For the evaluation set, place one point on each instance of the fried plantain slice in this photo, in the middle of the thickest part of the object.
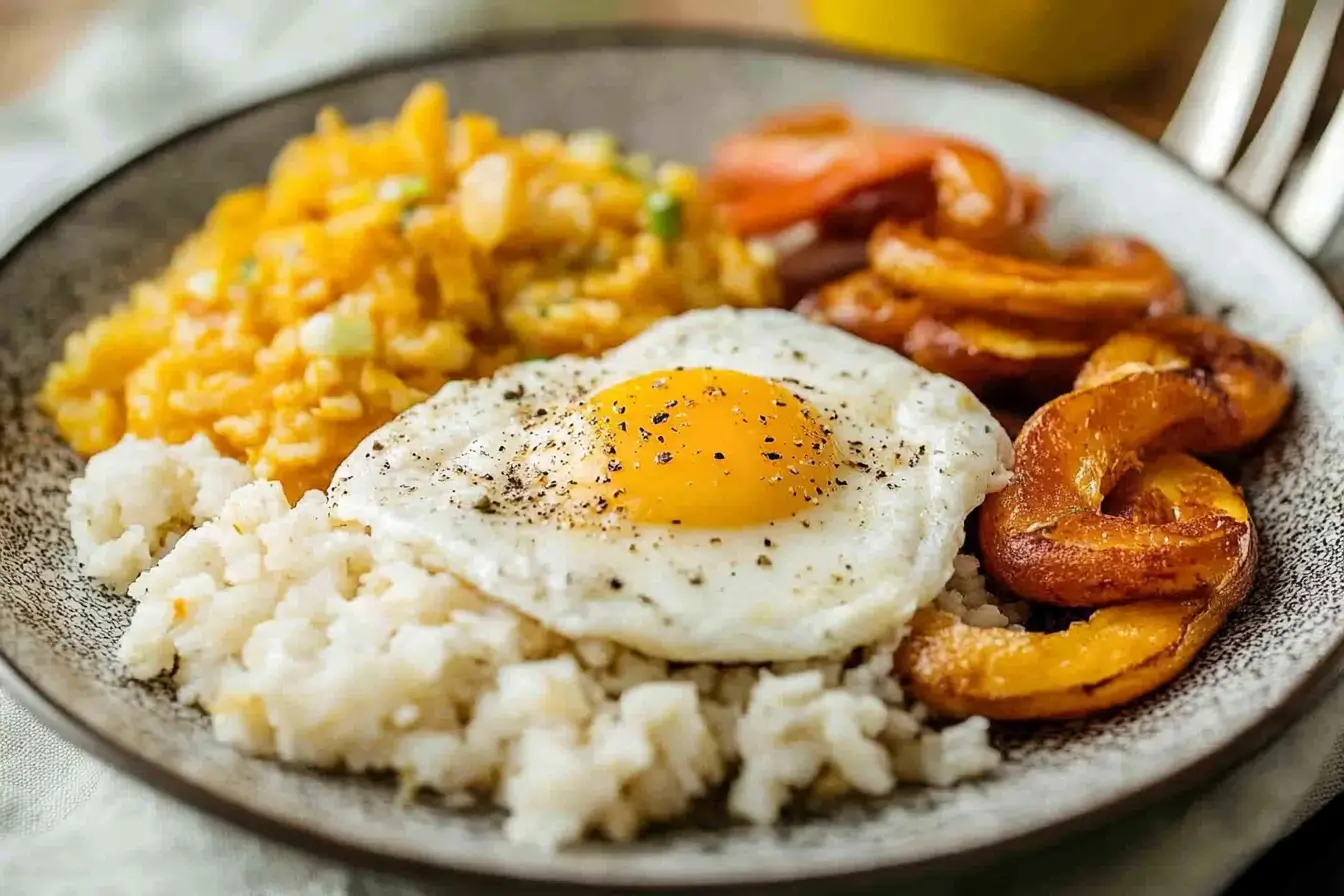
(1120, 653)
(1128, 254)
(1048, 537)
(863, 304)
(1253, 377)
(987, 355)
(976, 199)
(949, 272)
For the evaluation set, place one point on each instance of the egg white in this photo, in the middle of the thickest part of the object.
(919, 452)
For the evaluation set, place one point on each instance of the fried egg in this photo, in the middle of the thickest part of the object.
(728, 486)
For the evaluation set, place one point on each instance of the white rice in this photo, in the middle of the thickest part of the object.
(136, 500)
(967, 598)
(307, 640)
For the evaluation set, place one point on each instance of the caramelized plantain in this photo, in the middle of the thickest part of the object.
(1254, 378)
(990, 356)
(975, 197)
(1047, 536)
(952, 273)
(1118, 654)
(866, 306)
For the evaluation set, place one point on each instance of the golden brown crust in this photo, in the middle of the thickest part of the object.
(949, 272)
(1119, 654)
(863, 304)
(1046, 537)
(1254, 378)
(985, 354)
(976, 200)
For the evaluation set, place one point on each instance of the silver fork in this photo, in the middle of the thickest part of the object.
(1209, 123)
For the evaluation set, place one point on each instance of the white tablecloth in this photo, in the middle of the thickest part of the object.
(68, 824)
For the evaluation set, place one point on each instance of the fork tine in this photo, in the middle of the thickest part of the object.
(1313, 198)
(1212, 116)
(1258, 175)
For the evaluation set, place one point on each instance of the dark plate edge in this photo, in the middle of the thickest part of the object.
(1306, 694)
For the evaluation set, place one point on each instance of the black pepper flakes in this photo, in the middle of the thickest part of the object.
(718, 455)
(484, 504)
(660, 417)
(663, 457)
(762, 560)
(614, 466)
(772, 455)
(514, 393)
(616, 584)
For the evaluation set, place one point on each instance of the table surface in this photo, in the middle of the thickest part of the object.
(1308, 861)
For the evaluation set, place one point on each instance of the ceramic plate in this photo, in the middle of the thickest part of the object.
(674, 94)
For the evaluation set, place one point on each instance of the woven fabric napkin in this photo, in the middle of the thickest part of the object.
(69, 824)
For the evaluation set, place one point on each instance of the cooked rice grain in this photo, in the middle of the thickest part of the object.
(307, 640)
(425, 249)
(134, 501)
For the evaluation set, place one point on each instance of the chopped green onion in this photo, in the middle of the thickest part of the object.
(337, 336)
(664, 211)
(403, 189)
(248, 274)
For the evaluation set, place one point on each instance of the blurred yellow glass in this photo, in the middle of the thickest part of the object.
(1053, 43)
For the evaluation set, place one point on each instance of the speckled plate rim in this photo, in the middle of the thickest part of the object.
(1307, 693)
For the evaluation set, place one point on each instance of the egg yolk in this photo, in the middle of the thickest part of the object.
(706, 448)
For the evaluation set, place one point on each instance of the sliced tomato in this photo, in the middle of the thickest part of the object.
(796, 165)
